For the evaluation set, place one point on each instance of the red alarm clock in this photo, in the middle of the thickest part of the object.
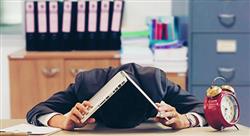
(221, 106)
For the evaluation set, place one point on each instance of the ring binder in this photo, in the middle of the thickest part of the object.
(81, 27)
(73, 25)
(66, 25)
(53, 26)
(30, 25)
(42, 25)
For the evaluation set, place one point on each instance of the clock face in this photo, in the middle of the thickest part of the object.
(229, 108)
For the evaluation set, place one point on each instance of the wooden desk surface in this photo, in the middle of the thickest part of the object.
(145, 129)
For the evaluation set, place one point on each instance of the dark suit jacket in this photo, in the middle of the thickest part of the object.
(127, 108)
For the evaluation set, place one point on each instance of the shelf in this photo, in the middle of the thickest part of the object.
(65, 55)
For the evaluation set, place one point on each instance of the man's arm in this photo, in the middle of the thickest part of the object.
(61, 102)
(70, 104)
(183, 103)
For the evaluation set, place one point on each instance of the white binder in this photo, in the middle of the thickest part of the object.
(53, 16)
(42, 21)
(66, 24)
(92, 16)
(117, 13)
(81, 8)
(104, 15)
(29, 16)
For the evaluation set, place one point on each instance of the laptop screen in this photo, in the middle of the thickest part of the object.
(126, 109)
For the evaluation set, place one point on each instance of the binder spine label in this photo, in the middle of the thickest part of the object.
(53, 17)
(42, 25)
(30, 19)
(67, 16)
(92, 15)
(81, 16)
(104, 15)
(117, 13)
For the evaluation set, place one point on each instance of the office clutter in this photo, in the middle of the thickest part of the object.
(73, 25)
(135, 47)
(169, 53)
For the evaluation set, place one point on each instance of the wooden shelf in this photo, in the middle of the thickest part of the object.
(65, 55)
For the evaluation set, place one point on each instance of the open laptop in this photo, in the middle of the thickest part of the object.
(109, 89)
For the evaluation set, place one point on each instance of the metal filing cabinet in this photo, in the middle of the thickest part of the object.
(219, 45)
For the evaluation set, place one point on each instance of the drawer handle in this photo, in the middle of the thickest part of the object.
(75, 71)
(50, 72)
(227, 73)
(227, 20)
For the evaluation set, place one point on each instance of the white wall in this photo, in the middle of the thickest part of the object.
(135, 14)
(9, 44)
(136, 11)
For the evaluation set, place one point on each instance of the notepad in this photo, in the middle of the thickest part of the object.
(30, 129)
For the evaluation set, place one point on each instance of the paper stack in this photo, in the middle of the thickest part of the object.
(173, 60)
(135, 48)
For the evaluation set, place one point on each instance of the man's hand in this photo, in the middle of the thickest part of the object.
(73, 118)
(168, 116)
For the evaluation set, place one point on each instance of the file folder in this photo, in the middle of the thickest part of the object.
(114, 38)
(30, 25)
(117, 15)
(104, 15)
(53, 26)
(74, 41)
(81, 7)
(92, 25)
(104, 23)
(42, 25)
(58, 25)
(81, 27)
(92, 16)
(66, 25)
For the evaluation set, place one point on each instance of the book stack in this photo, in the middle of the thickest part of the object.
(135, 47)
(171, 57)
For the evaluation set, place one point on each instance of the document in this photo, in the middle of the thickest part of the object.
(30, 129)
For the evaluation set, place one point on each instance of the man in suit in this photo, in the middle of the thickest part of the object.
(126, 109)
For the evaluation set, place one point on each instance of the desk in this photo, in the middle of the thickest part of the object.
(145, 129)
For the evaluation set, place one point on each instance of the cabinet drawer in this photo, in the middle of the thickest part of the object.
(220, 15)
(72, 67)
(33, 81)
(243, 95)
(207, 63)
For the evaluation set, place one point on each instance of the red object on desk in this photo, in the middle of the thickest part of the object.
(213, 107)
(159, 31)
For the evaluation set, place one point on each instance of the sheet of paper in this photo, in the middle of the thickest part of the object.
(31, 129)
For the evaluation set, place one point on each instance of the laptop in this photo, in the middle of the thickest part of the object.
(109, 89)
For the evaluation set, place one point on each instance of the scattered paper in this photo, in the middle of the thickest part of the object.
(30, 129)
